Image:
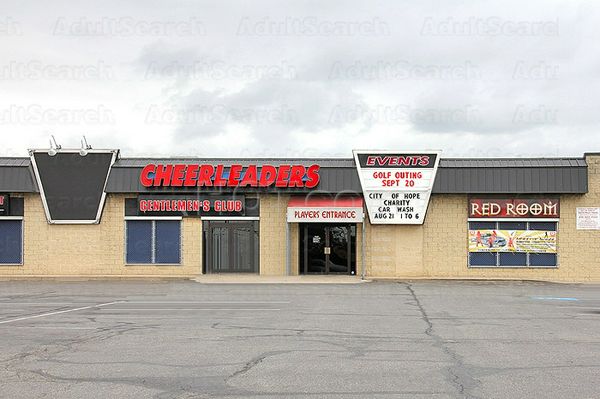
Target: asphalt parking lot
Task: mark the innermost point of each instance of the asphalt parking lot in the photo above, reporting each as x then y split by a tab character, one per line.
427	339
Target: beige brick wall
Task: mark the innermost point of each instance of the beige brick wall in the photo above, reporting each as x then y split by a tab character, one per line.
273	221
393	250
396	251
94	250
437	249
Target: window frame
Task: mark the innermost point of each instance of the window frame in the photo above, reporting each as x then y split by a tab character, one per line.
527	224
153	239
22	219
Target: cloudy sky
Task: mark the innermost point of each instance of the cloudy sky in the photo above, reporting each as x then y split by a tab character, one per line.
301	78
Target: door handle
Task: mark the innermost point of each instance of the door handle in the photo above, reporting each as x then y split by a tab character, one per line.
327	250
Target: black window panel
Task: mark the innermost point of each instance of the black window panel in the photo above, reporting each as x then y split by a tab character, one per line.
482	258
542	259
512	225
482	225
131	207
512	258
543	226
252	207
17	206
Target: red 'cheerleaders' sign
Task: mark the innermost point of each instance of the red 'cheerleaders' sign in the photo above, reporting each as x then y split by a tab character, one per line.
514	208
196	175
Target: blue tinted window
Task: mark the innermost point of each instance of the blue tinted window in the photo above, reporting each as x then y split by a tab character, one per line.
153	241
139	241
513	258
482	225
11	241
512	225
542	259
544	226
482	259
168	237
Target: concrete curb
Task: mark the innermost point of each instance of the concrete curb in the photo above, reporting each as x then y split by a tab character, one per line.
254	279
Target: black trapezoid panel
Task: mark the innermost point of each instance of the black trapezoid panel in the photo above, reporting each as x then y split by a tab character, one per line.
72	185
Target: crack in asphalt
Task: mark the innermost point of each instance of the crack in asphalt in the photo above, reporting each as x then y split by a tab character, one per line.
13	364
253	362
462	381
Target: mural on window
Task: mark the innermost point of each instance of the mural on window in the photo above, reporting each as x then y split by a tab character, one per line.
528	244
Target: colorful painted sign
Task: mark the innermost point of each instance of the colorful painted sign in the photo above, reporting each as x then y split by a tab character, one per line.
535	241
396	186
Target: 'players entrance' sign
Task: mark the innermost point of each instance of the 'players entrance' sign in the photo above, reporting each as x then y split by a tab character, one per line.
396	186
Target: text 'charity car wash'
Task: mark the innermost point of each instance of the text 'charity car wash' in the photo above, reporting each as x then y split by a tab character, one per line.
378	214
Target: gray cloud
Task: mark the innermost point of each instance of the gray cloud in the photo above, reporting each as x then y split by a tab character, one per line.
261	79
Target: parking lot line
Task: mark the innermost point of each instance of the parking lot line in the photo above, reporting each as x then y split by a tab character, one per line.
210	302
58	312
236	309
39	303
55	327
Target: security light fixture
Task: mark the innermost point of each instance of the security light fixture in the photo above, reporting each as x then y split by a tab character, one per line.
85	147
54	146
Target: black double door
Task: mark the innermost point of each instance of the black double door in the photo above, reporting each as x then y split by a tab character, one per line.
327	248
231	246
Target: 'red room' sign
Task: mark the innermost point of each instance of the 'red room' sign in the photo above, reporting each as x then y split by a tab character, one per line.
514	208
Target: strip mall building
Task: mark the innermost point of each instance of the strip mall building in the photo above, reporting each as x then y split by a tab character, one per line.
378	214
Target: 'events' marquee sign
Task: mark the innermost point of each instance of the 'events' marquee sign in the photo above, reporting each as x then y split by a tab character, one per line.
397	186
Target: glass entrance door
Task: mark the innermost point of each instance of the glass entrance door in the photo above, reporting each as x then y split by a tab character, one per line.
315	244
230	246
327	249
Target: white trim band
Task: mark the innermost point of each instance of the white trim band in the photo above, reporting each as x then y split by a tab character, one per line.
230	218
153	217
